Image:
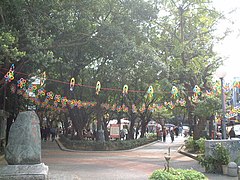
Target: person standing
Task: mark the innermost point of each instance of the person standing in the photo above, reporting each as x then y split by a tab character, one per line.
164	134
232	133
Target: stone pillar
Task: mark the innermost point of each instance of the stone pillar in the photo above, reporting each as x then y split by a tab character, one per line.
23	151
3	126
24	141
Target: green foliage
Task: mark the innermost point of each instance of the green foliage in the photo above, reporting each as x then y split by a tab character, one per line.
104	146
177	174
151	136
213	163
196	146
208	106
9	53
201	145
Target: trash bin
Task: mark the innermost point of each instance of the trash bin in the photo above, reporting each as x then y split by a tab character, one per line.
232	169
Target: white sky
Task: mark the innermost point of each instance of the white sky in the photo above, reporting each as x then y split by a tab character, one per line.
230	47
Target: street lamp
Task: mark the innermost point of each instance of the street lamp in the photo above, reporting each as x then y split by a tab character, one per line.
221	74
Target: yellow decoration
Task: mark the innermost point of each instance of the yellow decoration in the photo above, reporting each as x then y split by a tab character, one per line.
98	87
125	89
72	84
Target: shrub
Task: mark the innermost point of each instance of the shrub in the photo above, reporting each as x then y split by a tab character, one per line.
151	136
177	174
196	146
104	146
190	144
200	145
220	156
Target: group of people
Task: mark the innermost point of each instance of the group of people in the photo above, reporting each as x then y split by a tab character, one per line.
173	131
48	133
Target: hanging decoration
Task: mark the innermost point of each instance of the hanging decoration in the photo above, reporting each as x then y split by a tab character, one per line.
236	84
21	83
169	104
9	76
174	92
72	84
150	91
143	108
41	92
32	88
182	102
217	88
196	90
194	99
134	108
43	78
226	88
56	101
209	93
125	90
98	88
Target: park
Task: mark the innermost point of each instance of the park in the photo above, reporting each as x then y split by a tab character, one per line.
107	89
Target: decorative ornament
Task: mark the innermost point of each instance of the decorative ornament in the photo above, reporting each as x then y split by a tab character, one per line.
64	101
174	92
41	92
43	78
227	88
150	91
50	95
72	84
196	90
217	88
57	98
182	102
134	108
209	93
195	99
98	87
9	76
21	83
125	90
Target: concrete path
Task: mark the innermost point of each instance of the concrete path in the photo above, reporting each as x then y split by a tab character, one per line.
137	164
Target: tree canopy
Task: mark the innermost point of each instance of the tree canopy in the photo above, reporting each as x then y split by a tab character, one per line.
138	43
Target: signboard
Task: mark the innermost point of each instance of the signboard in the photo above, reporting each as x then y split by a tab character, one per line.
114	130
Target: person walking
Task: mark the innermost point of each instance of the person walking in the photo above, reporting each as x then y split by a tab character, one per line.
172	135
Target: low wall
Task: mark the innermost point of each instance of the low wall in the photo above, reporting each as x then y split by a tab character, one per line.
232	145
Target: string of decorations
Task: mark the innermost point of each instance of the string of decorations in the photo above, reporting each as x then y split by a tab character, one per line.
60	103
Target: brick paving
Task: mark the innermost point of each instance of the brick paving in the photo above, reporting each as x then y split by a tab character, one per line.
137	164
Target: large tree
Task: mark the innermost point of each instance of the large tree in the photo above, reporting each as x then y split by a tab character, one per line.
186	39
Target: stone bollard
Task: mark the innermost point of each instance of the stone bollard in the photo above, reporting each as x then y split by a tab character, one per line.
232	169
238	172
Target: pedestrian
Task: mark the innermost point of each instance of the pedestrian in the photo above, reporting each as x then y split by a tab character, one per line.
232	133
53	133
176	131
180	130
172	135
122	134
44	131
158	133
164	134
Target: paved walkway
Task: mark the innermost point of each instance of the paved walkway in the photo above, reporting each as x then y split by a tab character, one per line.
137	164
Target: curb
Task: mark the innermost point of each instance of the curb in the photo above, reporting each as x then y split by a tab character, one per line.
181	151
63	148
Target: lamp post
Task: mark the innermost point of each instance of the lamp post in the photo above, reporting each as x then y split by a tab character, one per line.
221	75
